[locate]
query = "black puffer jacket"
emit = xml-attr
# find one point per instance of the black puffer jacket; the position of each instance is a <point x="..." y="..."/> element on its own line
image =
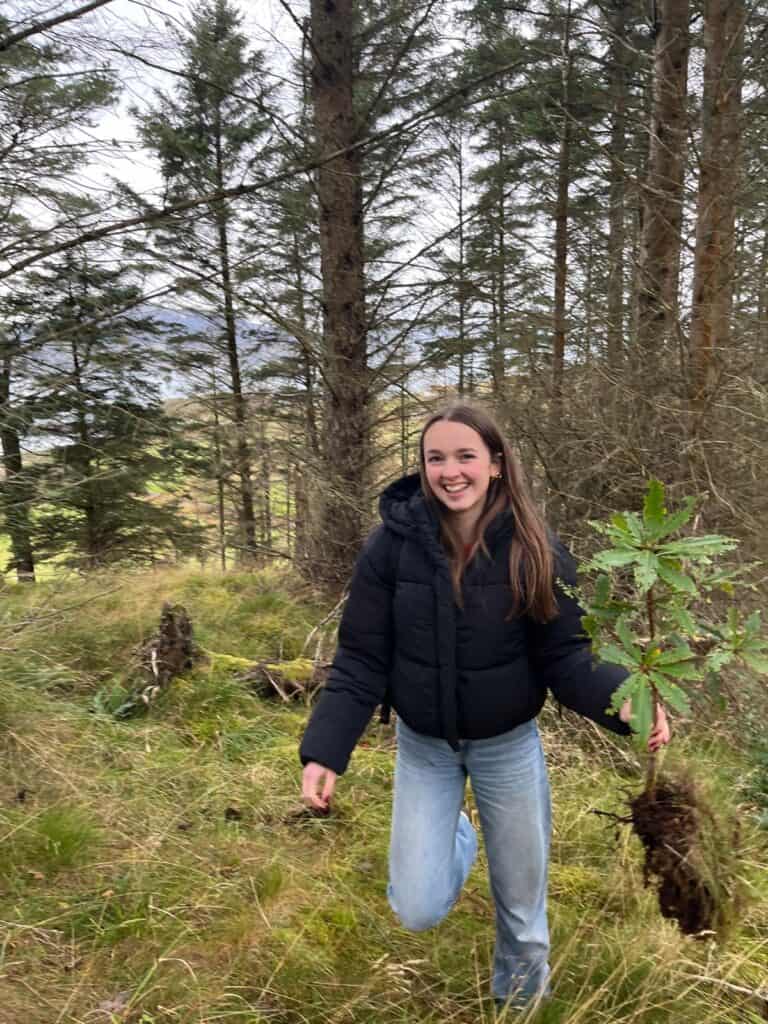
<point x="458" y="673"/>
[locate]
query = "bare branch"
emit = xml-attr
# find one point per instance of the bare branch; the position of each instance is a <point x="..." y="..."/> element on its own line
<point x="42" y="26"/>
<point x="303" y="28"/>
<point x="155" y="215"/>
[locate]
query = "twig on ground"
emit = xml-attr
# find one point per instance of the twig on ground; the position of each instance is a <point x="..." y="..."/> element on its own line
<point x="323" y="622"/>
<point x="757" y="995"/>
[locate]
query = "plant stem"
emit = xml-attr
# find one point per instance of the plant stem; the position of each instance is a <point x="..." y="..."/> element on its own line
<point x="652" y="767"/>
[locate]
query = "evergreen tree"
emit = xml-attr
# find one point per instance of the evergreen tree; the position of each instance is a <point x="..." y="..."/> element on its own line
<point x="44" y="98"/>
<point x="281" y="285"/>
<point x="663" y="188"/>
<point x="110" y="462"/>
<point x="716" y="207"/>
<point x="210" y="134"/>
<point x="526" y="147"/>
<point x="16" y="489"/>
<point x="368" y="67"/>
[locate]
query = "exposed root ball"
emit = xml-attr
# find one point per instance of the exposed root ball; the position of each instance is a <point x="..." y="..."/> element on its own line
<point x="686" y="856"/>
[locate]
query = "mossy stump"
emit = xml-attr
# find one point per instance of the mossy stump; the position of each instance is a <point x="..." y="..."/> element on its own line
<point x="172" y="650"/>
<point x="284" y="680"/>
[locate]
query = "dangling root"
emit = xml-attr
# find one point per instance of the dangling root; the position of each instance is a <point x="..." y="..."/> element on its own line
<point x="687" y="855"/>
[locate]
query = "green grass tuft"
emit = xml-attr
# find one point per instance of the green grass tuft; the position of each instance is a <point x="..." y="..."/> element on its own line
<point x="160" y="869"/>
<point x="46" y="843"/>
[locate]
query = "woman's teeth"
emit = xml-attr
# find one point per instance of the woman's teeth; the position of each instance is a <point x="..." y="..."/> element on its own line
<point x="454" y="488"/>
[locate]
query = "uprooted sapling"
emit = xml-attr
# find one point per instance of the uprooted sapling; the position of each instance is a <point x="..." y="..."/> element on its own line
<point x="649" y="613"/>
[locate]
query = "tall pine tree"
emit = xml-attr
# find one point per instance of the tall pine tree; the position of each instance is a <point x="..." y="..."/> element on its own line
<point x="210" y="134"/>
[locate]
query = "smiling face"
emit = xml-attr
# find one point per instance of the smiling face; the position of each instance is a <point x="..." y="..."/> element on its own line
<point x="458" y="467"/>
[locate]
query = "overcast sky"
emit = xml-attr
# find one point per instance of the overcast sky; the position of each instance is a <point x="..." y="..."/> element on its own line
<point x="146" y="27"/>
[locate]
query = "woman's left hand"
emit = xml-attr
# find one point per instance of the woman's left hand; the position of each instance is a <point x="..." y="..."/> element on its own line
<point x="660" y="733"/>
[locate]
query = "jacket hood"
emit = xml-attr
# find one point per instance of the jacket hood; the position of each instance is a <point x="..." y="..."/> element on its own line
<point x="404" y="509"/>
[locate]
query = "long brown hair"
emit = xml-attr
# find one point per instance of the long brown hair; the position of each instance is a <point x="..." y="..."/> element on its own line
<point x="531" y="565"/>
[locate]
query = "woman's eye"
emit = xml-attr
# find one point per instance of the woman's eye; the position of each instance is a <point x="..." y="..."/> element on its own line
<point x="433" y="458"/>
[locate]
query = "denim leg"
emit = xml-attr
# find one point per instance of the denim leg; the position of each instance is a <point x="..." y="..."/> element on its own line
<point x="432" y="846"/>
<point x="509" y="780"/>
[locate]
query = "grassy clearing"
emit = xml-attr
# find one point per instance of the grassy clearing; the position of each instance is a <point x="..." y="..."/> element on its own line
<point x="159" y="870"/>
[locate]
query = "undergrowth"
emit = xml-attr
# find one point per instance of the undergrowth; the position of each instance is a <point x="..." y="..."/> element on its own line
<point x="162" y="870"/>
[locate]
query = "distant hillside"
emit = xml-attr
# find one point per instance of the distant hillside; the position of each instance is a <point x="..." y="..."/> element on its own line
<point x="258" y="344"/>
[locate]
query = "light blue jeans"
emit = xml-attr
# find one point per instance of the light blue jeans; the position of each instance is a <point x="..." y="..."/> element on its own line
<point x="433" y="844"/>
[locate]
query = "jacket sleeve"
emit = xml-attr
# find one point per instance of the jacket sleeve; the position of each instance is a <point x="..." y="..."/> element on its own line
<point x="561" y="655"/>
<point x="357" y="681"/>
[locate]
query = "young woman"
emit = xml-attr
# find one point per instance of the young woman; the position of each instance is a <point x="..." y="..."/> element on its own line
<point x="456" y="618"/>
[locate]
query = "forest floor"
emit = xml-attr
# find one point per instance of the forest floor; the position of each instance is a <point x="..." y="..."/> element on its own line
<point x="161" y="869"/>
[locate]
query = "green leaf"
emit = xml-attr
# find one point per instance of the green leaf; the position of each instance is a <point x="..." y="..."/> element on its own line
<point x="646" y="571"/>
<point x="714" y="630"/>
<point x="683" y="618"/>
<point x="752" y="624"/>
<point x="635" y="526"/>
<point x="719" y="658"/>
<point x="602" y="589"/>
<point x="618" y="656"/>
<point x="612" y="558"/>
<point x="653" y="506"/>
<point x="675" y="520"/>
<point x="642" y="712"/>
<point x="698" y="547"/>
<point x="681" y="670"/>
<point x="591" y="625"/>
<point x="674" y="578"/>
<point x="627" y="637"/>
<point x="757" y="662"/>
<point x="633" y="682"/>
<point x="620" y="525"/>
<point x="670" y="693"/>
<point x="671" y="655"/>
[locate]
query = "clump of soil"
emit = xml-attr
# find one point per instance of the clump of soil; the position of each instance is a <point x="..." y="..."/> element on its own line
<point x="687" y="856"/>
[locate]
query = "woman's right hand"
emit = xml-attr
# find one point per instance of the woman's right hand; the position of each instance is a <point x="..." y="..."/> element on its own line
<point x="317" y="786"/>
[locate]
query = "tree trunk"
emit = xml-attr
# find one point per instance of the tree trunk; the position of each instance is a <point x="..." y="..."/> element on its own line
<point x="288" y="484"/>
<point x="404" y="445"/>
<point x="302" y="541"/>
<point x="219" y="464"/>
<point x="15" y="497"/>
<point x="619" y="86"/>
<point x="561" y="229"/>
<point x="239" y="403"/>
<point x="659" y="270"/>
<point x="762" y="300"/>
<point x="498" y="353"/>
<point x="94" y="544"/>
<point x="463" y="284"/>
<point x="340" y="195"/>
<point x="589" y="302"/>
<point x="307" y="494"/>
<point x="265" y="475"/>
<point x="718" y="178"/>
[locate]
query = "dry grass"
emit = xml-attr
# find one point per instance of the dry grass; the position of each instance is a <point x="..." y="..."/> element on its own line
<point x="157" y="870"/>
